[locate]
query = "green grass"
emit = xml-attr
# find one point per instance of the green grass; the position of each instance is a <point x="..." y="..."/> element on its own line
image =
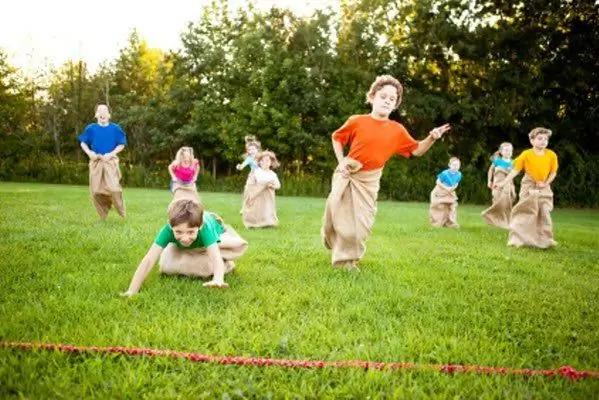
<point x="424" y="295"/>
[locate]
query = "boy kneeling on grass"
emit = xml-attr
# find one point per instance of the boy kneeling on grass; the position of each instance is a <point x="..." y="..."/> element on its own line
<point x="193" y="243"/>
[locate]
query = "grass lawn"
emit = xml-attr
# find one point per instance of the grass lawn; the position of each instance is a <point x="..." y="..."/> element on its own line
<point x="424" y="295"/>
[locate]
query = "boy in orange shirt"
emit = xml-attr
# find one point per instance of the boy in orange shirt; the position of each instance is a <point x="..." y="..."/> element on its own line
<point x="373" y="138"/>
<point x="531" y="223"/>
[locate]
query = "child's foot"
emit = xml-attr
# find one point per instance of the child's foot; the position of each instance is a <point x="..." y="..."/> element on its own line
<point x="229" y="265"/>
<point x="216" y="284"/>
<point x="352" y="266"/>
<point x="347" y="265"/>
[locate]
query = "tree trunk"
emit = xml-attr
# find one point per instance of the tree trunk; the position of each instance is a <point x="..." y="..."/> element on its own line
<point x="214" y="167"/>
<point x="55" y="134"/>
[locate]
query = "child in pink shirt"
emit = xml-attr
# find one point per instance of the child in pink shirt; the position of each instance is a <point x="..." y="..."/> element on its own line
<point x="184" y="170"/>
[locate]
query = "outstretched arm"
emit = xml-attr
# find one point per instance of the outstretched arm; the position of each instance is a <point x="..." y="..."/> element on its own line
<point x="243" y="164"/>
<point x="144" y="268"/>
<point x="426" y="144"/>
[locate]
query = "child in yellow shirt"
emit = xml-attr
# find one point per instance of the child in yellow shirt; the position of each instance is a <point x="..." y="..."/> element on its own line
<point x="531" y="223"/>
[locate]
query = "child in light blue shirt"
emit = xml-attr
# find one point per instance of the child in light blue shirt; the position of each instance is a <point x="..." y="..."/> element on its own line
<point x="444" y="202"/>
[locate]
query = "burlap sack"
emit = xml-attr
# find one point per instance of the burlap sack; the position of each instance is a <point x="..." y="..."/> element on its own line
<point x="349" y="212"/>
<point x="443" y="210"/>
<point x="499" y="212"/>
<point x="259" y="206"/>
<point x="530" y="223"/>
<point x="105" y="187"/>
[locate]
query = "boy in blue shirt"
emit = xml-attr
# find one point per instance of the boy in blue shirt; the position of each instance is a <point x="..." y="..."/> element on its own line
<point x="444" y="202"/>
<point x="102" y="141"/>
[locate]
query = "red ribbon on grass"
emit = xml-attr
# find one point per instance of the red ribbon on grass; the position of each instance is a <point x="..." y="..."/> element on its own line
<point x="564" y="371"/>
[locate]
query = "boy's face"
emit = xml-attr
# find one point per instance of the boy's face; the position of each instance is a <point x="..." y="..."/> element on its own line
<point x="454" y="166"/>
<point x="185" y="234"/>
<point x="102" y="114"/>
<point x="252" y="150"/>
<point x="265" y="163"/>
<point x="383" y="102"/>
<point x="540" y="141"/>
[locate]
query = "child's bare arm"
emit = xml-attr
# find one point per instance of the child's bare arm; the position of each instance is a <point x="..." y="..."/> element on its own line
<point x="490" y="176"/>
<point x="218" y="279"/>
<point x="196" y="163"/>
<point x="243" y="164"/>
<point x="88" y="151"/>
<point x="171" y="171"/>
<point x="338" y="149"/>
<point x="116" y="151"/>
<point x="276" y="184"/>
<point x="144" y="268"/>
<point x="547" y="181"/>
<point x="508" y="178"/>
<point x="426" y="144"/>
<point x="444" y="186"/>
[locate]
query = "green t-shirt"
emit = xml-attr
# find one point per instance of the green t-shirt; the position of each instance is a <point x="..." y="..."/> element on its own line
<point x="208" y="235"/>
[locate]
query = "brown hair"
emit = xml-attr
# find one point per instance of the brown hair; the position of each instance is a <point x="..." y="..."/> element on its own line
<point x="382" y="81"/>
<point x="539" y="131"/>
<point x="186" y="211"/>
<point x="273" y="158"/>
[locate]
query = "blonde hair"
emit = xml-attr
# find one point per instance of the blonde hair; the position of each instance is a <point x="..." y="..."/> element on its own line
<point x="452" y="159"/>
<point x="382" y="81"/>
<point x="186" y="211"/>
<point x="273" y="158"/>
<point x="250" y="140"/>
<point x="539" y="131"/>
<point x="498" y="154"/>
<point x="182" y="153"/>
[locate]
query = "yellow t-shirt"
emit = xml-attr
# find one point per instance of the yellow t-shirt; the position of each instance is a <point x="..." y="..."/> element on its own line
<point x="538" y="167"/>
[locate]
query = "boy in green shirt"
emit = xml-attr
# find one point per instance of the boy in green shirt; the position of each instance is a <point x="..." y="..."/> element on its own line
<point x="193" y="243"/>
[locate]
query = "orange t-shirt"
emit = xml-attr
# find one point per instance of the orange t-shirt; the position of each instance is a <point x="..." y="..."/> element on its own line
<point x="372" y="142"/>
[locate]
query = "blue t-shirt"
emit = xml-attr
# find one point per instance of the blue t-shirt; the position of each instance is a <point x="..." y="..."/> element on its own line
<point x="249" y="160"/>
<point x="501" y="163"/>
<point x="449" y="178"/>
<point x="103" y="139"/>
